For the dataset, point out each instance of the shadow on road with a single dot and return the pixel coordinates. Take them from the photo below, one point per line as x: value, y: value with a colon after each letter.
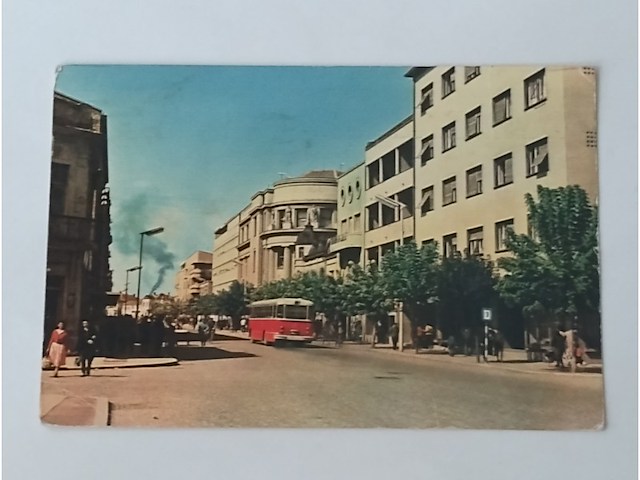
x: 206, y: 353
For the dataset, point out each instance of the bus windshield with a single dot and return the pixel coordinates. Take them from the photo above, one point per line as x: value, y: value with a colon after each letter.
x: 296, y: 312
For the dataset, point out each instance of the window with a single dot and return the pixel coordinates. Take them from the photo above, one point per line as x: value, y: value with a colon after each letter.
x: 300, y: 252
x: 449, y: 245
x: 325, y: 218
x: 388, y: 215
x: 372, y: 254
x: 426, y: 203
x: 59, y: 179
x: 254, y: 261
x: 387, y: 248
x: 534, y: 92
x: 373, y: 219
x: 373, y: 171
x: 406, y: 197
x: 280, y: 311
x: 537, y: 158
x: 301, y: 217
x: 429, y: 241
x: 426, y: 98
x: 473, y: 123
x: 503, y: 170
x: 474, y: 241
x: 502, y: 107
x: 470, y: 73
x: 343, y: 197
x: 388, y: 165
x: 405, y: 154
x: 449, y: 82
x: 344, y: 229
x: 279, y: 257
x: 296, y: 312
x: 449, y: 137
x: 449, y: 191
x: 474, y: 181
x: 502, y: 232
x: 356, y: 222
x: 426, y: 153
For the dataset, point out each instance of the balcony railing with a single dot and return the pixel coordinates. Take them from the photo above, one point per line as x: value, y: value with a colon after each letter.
x: 62, y: 227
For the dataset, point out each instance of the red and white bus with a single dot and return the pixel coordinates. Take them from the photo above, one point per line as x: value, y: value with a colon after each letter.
x: 281, y: 320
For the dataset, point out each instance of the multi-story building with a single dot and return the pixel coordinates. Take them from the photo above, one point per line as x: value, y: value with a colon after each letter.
x: 486, y: 136
x: 194, y: 277
x: 389, y: 190
x: 268, y: 246
x: 78, y: 275
x: 224, y: 268
x: 349, y: 241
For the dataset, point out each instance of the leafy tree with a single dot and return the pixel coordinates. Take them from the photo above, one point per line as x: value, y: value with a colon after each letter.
x: 233, y: 302
x: 363, y: 292
x: 555, y: 271
x: 205, y: 305
x: 465, y: 285
x: 165, y: 307
x: 410, y: 276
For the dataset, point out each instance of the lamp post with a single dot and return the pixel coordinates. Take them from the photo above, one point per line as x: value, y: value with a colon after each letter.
x: 153, y: 231
x: 392, y: 203
x: 126, y: 286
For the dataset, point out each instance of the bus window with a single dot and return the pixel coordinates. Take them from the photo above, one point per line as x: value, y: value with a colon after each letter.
x: 297, y: 312
x: 280, y: 311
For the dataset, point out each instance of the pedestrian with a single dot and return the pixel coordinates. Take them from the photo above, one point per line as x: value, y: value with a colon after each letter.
x: 451, y: 345
x: 58, y: 348
x: 203, y: 332
x: 558, y: 346
x: 86, y: 347
x: 394, y: 331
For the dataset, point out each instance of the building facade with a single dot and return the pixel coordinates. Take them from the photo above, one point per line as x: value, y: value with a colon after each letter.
x: 78, y: 275
x: 349, y: 241
x: 267, y: 246
x: 389, y: 193
x: 193, y: 279
x: 486, y: 136
x: 224, y: 259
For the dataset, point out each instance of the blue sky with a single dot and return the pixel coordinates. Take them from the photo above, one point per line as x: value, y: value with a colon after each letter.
x: 188, y: 146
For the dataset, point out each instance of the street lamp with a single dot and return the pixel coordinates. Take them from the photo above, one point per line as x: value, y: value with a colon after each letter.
x: 153, y: 231
x: 392, y: 203
x: 126, y: 286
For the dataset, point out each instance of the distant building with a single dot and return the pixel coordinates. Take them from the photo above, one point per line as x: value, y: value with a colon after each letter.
x: 194, y: 277
x: 78, y: 274
x: 267, y: 246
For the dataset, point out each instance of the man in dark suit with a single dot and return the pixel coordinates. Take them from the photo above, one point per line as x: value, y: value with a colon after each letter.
x: 87, y: 341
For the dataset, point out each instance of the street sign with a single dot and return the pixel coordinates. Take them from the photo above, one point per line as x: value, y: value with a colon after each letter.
x: 487, y: 313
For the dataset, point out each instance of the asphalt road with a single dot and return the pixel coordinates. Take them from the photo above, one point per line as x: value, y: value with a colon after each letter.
x: 233, y: 383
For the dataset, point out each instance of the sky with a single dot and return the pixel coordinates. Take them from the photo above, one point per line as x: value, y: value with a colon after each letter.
x: 189, y: 145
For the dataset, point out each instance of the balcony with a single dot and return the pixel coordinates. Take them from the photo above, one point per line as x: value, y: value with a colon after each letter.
x: 347, y: 240
x: 62, y: 227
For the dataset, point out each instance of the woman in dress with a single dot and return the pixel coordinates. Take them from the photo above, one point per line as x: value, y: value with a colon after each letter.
x: 58, y: 347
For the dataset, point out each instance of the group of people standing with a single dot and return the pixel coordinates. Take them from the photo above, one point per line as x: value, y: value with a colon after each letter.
x: 567, y: 346
x: 59, y: 347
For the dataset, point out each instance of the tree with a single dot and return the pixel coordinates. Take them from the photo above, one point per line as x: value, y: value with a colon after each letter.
x: 410, y: 276
x: 205, y: 305
x: 165, y: 306
x: 233, y: 302
x: 363, y: 292
x: 465, y: 285
x: 555, y: 270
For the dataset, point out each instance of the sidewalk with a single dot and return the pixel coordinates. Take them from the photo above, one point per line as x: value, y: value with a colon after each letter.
x: 513, y: 359
x: 107, y: 362
x: 69, y: 410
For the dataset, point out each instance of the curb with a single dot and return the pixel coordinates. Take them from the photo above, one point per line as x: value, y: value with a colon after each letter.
x: 103, y: 408
x: 168, y: 362
x: 500, y: 365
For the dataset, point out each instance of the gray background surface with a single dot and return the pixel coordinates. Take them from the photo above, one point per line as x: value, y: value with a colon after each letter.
x: 38, y: 35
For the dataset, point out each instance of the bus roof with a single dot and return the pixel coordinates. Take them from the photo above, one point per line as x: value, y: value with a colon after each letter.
x: 283, y: 301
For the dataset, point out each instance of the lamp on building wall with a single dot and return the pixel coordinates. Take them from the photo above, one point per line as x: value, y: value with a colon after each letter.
x: 392, y: 203
x: 153, y: 231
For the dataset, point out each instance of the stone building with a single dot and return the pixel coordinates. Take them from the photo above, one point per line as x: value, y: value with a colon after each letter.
x: 78, y: 274
x: 267, y: 245
x: 193, y: 279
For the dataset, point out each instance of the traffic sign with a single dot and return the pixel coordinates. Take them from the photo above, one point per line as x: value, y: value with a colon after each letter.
x: 487, y: 314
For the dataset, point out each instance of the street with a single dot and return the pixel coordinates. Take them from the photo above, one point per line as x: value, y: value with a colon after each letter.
x: 233, y: 383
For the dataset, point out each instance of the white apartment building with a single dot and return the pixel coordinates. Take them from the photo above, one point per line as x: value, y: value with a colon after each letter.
x: 486, y: 136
